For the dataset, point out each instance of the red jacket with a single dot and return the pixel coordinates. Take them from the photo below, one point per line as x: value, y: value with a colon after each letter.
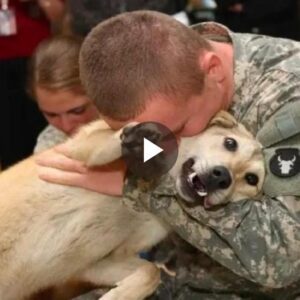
x: 31, y: 31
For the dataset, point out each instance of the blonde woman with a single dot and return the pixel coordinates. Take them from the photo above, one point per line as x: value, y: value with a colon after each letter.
x: 56, y: 87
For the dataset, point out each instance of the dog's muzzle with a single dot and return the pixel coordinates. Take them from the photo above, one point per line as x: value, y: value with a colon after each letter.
x: 199, y: 186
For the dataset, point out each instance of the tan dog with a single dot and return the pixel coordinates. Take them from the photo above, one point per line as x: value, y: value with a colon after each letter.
x: 50, y: 234
x: 223, y: 164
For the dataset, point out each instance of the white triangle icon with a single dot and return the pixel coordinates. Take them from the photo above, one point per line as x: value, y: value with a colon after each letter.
x: 150, y: 150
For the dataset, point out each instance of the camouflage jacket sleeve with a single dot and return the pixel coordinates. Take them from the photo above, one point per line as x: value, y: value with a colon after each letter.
x: 49, y: 138
x: 258, y: 240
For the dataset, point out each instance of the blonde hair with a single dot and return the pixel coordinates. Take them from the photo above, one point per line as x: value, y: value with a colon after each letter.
x: 55, y: 65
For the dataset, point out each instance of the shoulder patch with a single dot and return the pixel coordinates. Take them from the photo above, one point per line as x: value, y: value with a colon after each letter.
x: 285, y: 162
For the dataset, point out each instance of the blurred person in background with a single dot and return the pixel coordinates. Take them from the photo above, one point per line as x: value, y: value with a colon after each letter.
x: 278, y: 18
x: 83, y: 15
x: 56, y: 87
x: 23, y: 25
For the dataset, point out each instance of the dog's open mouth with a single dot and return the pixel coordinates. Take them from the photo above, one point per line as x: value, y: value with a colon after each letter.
x: 193, y: 186
x: 196, y: 184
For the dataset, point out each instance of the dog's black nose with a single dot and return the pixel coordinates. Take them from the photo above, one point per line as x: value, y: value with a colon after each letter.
x: 219, y: 178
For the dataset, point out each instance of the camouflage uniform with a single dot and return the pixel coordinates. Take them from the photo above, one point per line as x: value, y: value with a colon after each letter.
x: 249, y: 249
x: 49, y: 138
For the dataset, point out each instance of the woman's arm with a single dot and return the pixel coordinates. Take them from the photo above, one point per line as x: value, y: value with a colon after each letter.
x: 56, y: 167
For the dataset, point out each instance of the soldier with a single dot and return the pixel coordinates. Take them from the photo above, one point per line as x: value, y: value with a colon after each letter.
x: 151, y: 68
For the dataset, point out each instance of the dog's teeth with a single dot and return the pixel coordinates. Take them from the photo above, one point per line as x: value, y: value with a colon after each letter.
x: 202, y: 193
x: 192, y: 176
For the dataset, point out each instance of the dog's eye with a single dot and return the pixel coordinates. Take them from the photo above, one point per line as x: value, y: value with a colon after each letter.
x: 230, y: 144
x: 252, y: 179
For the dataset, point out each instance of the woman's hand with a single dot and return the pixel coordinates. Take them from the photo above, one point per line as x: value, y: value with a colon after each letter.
x: 55, y: 166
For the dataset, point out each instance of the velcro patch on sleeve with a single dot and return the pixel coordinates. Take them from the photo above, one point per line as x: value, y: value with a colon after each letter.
x: 285, y: 162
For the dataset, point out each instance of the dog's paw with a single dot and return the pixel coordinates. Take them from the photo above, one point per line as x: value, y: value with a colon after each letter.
x: 133, y: 137
x: 134, y: 141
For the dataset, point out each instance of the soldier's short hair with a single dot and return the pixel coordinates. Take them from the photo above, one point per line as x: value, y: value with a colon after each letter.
x: 128, y: 59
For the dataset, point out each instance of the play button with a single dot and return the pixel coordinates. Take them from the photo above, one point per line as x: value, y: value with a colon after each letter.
x: 149, y: 149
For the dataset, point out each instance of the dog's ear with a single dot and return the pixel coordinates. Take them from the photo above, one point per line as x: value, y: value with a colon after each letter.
x: 223, y: 119
x: 110, y: 150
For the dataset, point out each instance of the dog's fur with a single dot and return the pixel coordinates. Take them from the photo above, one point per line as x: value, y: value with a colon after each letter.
x: 50, y: 234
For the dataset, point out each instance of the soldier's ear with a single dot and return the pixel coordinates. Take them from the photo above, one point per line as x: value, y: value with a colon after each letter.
x: 223, y: 119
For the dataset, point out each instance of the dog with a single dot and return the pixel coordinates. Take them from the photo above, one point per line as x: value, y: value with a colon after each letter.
x: 227, y: 166
x: 50, y: 234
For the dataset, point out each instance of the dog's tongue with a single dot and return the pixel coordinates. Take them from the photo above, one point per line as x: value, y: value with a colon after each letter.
x: 207, y: 203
